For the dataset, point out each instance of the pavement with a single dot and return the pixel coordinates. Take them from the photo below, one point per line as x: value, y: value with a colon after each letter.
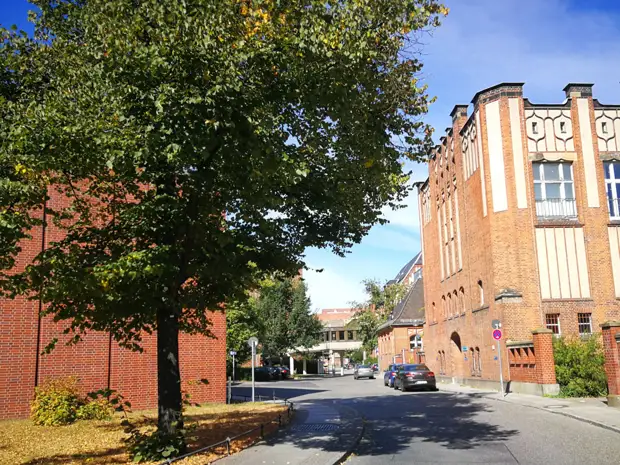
x: 364, y: 423
x: 589, y: 410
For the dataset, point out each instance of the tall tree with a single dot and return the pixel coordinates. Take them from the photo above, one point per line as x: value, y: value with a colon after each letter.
x: 196, y: 141
x: 380, y: 303
x: 242, y: 322
x: 288, y: 324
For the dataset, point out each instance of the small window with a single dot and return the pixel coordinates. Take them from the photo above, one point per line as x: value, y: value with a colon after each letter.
x: 585, y: 323
x: 481, y: 290
x: 350, y: 335
x: 562, y: 127
x: 341, y: 335
x: 553, y: 323
x: 333, y: 335
x: 604, y: 127
x: 534, y: 128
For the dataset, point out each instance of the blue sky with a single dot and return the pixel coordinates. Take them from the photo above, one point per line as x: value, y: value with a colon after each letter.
x: 544, y: 43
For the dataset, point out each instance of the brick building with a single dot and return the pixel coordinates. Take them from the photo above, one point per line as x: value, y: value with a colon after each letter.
x: 400, y: 338
x: 520, y: 222
x: 97, y: 361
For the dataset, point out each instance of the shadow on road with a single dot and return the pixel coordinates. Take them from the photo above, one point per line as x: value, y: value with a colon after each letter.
x: 281, y: 391
x: 447, y: 420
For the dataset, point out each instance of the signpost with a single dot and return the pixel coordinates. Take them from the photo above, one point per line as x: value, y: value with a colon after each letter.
x: 497, y: 335
x: 253, y: 342
x: 233, y: 353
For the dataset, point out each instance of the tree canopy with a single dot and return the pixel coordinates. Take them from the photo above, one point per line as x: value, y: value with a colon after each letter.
x: 196, y: 142
x: 287, y: 322
x: 381, y: 301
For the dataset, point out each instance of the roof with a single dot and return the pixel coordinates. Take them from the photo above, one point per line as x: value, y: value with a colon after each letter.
x: 404, y: 271
x: 336, y: 313
x: 410, y: 310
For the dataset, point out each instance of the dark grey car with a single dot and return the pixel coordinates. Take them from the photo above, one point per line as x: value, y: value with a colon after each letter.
x: 415, y: 377
x: 363, y: 371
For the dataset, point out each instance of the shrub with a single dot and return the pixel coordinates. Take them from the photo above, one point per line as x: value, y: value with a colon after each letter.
x: 99, y: 409
x: 154, y: 446
x: 56, y: 402
x: 580, y: 367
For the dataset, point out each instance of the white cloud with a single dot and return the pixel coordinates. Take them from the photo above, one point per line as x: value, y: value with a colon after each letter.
x: 329, y: 289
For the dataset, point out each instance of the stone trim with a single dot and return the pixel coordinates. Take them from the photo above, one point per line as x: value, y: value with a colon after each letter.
x: 505, y: 89
x: 610, y: 324
x: 552, y: 156
x: 577, y: 89
x: 542, y: 331
x: 609, y: 156
x: 479, y: 309
x: 519, y: 344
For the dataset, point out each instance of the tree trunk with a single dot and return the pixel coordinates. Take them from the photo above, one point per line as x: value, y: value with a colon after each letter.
x: 170, y: 416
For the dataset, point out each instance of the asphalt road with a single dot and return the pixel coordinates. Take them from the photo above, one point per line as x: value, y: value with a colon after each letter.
x: 444, y: 427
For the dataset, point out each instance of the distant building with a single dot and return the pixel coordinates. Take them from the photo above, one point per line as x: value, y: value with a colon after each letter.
x: 400, y: 338
x: 520, y: 220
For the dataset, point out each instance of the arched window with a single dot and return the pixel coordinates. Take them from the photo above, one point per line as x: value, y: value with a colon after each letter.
x: 478, y: 364
x: 433, y: 316
x: 481, y: 291
x: 450, y: 314
x: 443, y: 305
x: 472, y: 361
x: 457, y: 307
x: 462, y: 302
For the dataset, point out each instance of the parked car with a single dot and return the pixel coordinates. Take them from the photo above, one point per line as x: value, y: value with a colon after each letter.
x: 284, y: 372
x: 363, y: 371
x: 274, y: 372
x: 390, y: 374
x: 262, y: 374
x: 415, y: 377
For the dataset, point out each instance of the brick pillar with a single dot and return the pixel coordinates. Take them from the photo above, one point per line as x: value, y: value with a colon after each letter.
x: 611, y: 346
x: 545, y: 363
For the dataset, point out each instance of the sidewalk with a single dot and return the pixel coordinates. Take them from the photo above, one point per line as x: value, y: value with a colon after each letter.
x: 321, y: 433
x: 593, y: 411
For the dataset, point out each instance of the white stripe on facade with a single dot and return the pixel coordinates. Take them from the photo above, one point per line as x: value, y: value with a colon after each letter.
x: 517, y: 152
x: 614, y: 249
x: 496, y: 157
x: 543, y: 268
x: 481, y: 164
x: 582, y: 264
x: 587, y: 148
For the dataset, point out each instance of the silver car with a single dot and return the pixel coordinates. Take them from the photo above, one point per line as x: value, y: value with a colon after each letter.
x: 363, y: 371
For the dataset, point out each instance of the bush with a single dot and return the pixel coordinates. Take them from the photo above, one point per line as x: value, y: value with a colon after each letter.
x: 99, y: 409
x: 580, y: 367
x: 56, y: 402
x: 154, y: 446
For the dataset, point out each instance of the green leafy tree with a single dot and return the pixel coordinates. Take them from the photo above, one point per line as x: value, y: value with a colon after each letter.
x: 288, y: 324
x: 242, y: 322
x: 380, y: 303
x: 195, y: 142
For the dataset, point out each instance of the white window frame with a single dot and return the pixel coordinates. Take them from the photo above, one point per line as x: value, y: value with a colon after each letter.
x: 552, y: 325
x: 581, y: 323
x: 613, y: 202
x: 542, y: 204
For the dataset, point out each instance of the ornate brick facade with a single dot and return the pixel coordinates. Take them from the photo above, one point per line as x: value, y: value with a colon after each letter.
x: 518, y: 224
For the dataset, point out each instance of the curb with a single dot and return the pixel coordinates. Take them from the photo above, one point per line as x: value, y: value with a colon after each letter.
x: 554, y: 411
x: 356, y: 441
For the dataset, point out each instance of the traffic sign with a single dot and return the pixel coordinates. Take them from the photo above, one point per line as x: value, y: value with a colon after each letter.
x: 233, y: 353
x: 497, y: 334
x: 253, y: 341
x: 496, y: 324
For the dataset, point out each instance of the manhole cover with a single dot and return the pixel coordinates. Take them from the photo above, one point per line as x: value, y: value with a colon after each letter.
x: 315, y: 427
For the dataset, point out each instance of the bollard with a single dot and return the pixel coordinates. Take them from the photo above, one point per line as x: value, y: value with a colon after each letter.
x: 262, y: 431
x: 279, y: 420
x: 227, y: 446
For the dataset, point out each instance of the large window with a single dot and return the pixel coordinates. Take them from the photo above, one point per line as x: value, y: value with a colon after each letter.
x: 585, y: 323
x: 554, y: 190
x: 350, y: 335
x: 553, y: 323
x: 341, y: 335
x: 612, y: 184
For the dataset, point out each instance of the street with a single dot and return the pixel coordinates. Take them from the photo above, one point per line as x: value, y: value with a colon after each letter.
x: 447, y: 427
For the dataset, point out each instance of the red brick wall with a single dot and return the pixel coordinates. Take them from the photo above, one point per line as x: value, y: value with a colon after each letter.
x: 500, y: 250
x: 97, y: 363
x: 612, y: 356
